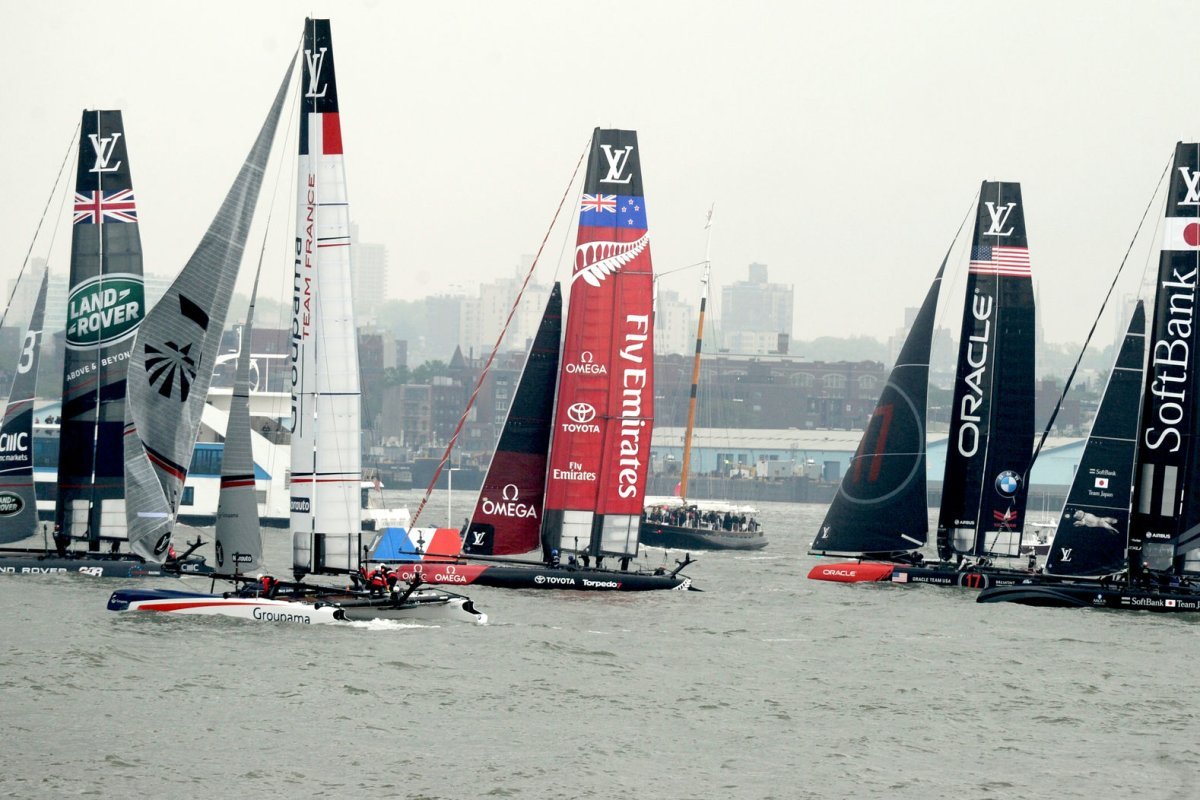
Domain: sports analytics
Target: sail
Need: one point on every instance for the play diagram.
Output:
(881, 507)
(238, 540)
(18, 503)
(105, 304)
(1166, 515)
(507, 518)
(172, 361)
(991, 424)
(326, 518)
(1092, 531)
(603, 418)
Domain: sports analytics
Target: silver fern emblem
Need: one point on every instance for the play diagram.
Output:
(595, 261)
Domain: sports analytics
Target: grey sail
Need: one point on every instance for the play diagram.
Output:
(172, 361)
(18, 503)
(238, 538)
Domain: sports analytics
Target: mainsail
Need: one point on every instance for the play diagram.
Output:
(1165, 524)
(880, 509)
(604, 414)
(1092, 531)
(238, 539)
(172, 361)
(991, 426)
(326, 518)
(105, 304)
(18, 503)
(507, 515)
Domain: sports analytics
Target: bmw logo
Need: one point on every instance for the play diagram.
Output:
(1007, 483)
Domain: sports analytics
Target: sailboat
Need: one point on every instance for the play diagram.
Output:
(569, 477)
(879, 515)
(1131, 526)
(105, 305)
(673, 522)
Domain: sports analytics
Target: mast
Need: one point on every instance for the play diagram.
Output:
(18, 500)
(326, 518)
(990, 445)
(603, 418)
(171, 366)
(691, 418)
(105, 304)
(1165, 526)
(1094, 525)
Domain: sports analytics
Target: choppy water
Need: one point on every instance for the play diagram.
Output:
(766, 685)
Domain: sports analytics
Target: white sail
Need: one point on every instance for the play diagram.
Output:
(238, 538)
(326, 450)
(171, 365)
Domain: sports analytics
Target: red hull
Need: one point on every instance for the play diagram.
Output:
(852, 572)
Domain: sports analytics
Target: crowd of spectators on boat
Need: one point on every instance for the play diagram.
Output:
(693, 517)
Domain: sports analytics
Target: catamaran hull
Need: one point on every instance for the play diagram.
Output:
(948, 575)
(533, 577)
(683, 538)
(1091, 595)
(126, 566)
(420, 606)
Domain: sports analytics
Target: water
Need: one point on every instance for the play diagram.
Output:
(767, 685)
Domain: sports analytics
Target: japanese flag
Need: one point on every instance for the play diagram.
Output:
(1181, 233)
(1101, 483)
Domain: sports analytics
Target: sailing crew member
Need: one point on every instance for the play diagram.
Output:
(61, 540)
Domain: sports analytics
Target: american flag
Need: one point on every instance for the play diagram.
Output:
(97, 208)
(599, 202)
(997, 260)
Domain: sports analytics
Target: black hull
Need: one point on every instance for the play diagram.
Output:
(586, 580)
(1092, 595)
(96, 565)
(948, 575)
(678, 537)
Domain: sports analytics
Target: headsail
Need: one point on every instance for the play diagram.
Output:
(105, 304)
(172, 361)
(604, 415)
(507, 518)
(18, 502)
(238, 539)
(880, 509)
(991, 425)
(1092, 531)
(1166, 515)
(326, 518)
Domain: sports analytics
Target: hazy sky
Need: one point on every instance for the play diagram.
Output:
(841, 142)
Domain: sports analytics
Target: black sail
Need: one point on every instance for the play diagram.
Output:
(507, 517)
(18, 503)
(105, 304)
(880, 507)
(1166, 513)
(991, 425)
(1092, 531)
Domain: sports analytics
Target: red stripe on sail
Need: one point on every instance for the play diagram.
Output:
(331, 134)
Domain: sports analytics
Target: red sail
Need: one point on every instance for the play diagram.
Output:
(601, 435)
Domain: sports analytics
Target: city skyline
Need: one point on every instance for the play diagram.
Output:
(833, 149)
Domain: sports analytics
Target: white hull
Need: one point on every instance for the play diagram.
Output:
(421, 606)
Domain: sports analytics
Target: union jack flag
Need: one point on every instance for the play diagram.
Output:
(96, 208)
(599, 202)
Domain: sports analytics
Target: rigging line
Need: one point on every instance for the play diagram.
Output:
(679, 269)
(499, 340)
(1070, 378)
(949, 286)
(45, 209)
